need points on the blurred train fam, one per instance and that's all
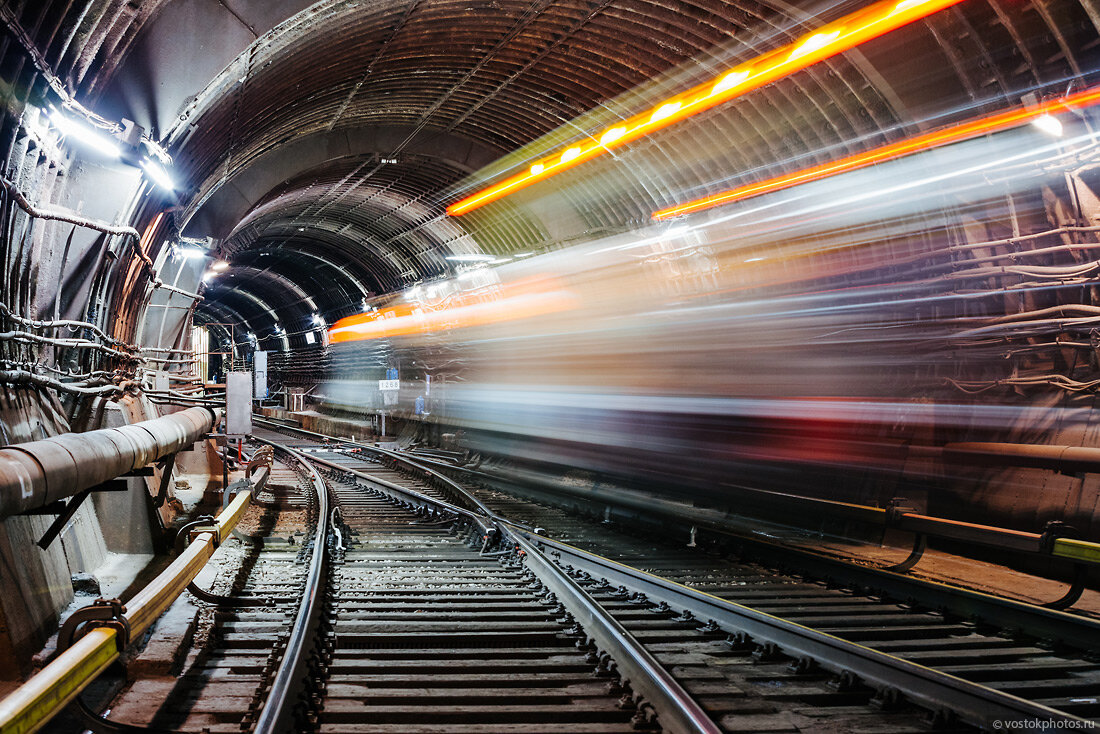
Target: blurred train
(809, 336)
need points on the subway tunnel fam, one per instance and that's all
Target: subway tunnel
(554, 366)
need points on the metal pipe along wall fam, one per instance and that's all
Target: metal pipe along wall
(36, 473)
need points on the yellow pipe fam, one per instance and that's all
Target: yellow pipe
(33, 704)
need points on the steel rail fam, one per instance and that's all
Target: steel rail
(1018, 541)
(1046, 545)
(933, 689)
(630, 510)
(278, 710)
(971, 702)
(676, 710)
(36, 702)
(435, 478)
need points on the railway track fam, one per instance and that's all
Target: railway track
(238, 636)
(429, 617)
(437, 607)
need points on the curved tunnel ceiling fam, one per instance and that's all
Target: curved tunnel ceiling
(286, 153)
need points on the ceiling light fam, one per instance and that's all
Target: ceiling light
(190, 253)
(158, 174)
(729, 81)
(612, 135)
(537, 169)
(86, 134)
(219, 266)
(815, 42)
(470, 258)
(1049, 124)
(570, 154)
(665, 110)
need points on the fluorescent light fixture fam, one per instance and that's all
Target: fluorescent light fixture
(159, 176)
(191, 253)
(666, 110)
(726, 83)
(754, 259)
(219, 266)
(471, 258)
(86, 134)
(1049, 124)
(500, 261)
(157, 151)
(524, 254)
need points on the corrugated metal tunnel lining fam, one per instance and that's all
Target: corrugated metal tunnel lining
(833, 364)
(446, 88)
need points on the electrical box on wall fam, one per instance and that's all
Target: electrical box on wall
(259, 369)
(238, 404)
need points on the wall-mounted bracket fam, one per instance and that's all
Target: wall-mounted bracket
(69, 509)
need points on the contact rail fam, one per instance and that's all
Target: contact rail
(100, 633)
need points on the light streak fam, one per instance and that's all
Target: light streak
(927, 141)
(829, 40)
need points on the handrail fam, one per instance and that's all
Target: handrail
(32, 705)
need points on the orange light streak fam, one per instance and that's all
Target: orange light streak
(935, 139)
(827, 41)
(522, 300)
